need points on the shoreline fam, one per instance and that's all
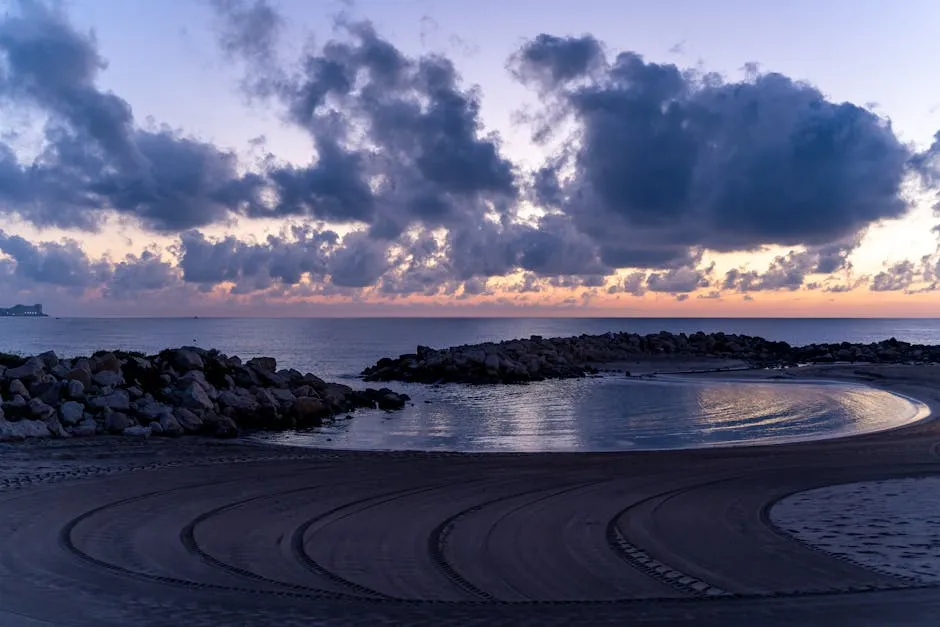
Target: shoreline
(678, 533)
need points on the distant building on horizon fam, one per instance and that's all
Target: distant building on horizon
(29, 311)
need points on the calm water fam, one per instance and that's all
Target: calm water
(608, 413)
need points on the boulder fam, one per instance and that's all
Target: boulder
(238, 399)
(86, 428)
(22, 429)
(118, 400)
(195, 397)
(136, 431)
(71, 413)
(31, 370)
(186, 359)
(309, 411)
(263, 364)
(220, 426)
(49, 359)
(82, 375)
(117, 422)
(105, 361)
(188, 420)
(74, 389)
(18, 387)
(46, 389)
(170, 426)
(108, 378)
(149, 410)
(283, 396)
(39, 410)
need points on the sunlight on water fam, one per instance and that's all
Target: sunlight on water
(612, 413)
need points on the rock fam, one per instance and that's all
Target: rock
(18, 387)
(150, 410)
(31, 370)
(86, 428)
(189, 421)
(137, 431)
(491, 363)
(16, 407)
(105, 361)
(309, 411)
(108, 378)
(220, 426)
(195, 397)
(118, 400)
(47, 389)
(263, 364)
(134, 392)
(71, 413)
(390, 401)
(49, 359)
(239, 399)
(22, 429)
(82, 375)
(284, 397)
(187, 359)
(74, 389)
(117, 422)
(39, 410)
(170, 426)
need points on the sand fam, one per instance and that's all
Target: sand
(169, 532)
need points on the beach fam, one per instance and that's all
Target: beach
(106, 531)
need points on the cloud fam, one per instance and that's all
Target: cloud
(549, 61)
(896, 277)
(664, 160)
(252, 266)
(94, 159)
(61, 264)
(678, 280)
(146, 273)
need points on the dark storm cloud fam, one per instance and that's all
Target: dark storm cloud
(62, 264)
(360, 262)
(249, 29)
(678, 280)
(255, 266)
(664, 160)
(398, 139)
(550, 61)
(146, 273)
(94, 158)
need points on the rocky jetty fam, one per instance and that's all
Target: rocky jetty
(537, 358)
(180, 391)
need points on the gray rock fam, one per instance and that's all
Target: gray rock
(135, 392)
(71, 413)
(263, 364)
(155, 428)
(80, 374)
(220, 426)
(151, 411)
(195, 397)
(108, 378)
(60, 371)
(188, 420)
(39, 410)
(186, 359)
(239, 399)
(18, 387)
(118, 399)
(31, 370)
(75, 389)
(22, 429)
(170, 425)
(309, 411)
(117, 422)
(283, 396)
(491, 363)
(137, 432)
(105, 361)
(86, 428)
(49, 359)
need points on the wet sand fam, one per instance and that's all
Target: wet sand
(169, 532)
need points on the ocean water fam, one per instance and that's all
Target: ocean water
(607, 413)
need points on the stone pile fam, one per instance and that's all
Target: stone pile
(180, 391)
(537, 358)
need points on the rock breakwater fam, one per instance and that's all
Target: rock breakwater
(179, 391)
(538, 358)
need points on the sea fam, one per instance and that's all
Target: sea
(593, 414)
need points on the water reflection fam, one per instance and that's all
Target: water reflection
(613, 413)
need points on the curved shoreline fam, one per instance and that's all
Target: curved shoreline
(548, 538)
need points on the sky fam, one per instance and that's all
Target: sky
(430, 157)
